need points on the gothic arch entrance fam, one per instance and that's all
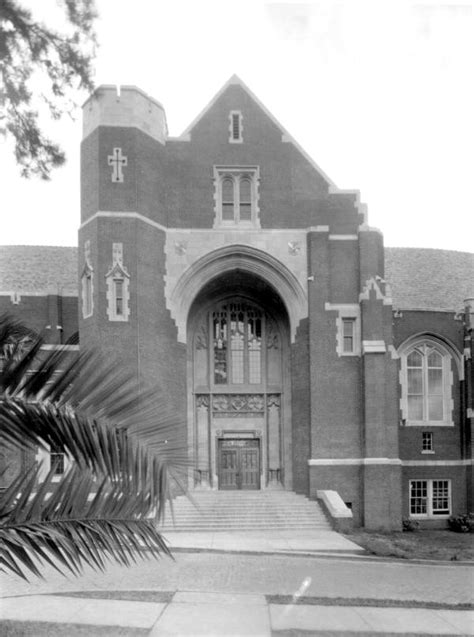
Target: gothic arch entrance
(239, 406)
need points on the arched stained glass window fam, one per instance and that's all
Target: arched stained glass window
(237, 344)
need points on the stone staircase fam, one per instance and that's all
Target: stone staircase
(244, 511)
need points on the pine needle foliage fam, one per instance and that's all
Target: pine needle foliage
(41, 66)
(107, 506)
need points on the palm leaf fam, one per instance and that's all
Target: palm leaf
(100, 510)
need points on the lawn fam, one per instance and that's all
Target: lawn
(423, 545)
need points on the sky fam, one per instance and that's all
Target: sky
(378, 92)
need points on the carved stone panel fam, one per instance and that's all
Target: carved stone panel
(235, 405)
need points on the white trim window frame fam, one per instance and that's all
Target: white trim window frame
(429, 498)
(235, 127)
(236, 195)
(426, 381)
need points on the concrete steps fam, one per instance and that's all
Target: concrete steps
(244, 511)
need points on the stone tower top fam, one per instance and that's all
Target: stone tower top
(126, 106)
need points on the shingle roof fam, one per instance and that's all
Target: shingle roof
(428, 279)
(33, 270)
(421, 278)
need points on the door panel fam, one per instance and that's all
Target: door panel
(239, 464)
(249, 469)
(228, 469)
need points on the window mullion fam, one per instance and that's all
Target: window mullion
(236, 199)
(425, 388)
(230, 378)
(246, 350)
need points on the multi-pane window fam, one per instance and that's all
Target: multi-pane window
(236, 196)
(237, 344)
(348, 325)
(426, 385)
(427, 441)
(57, 460)
(430, 498)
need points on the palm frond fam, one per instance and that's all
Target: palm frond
(77, 521)
(102, 508)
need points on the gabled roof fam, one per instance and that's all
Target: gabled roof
(429, 279)
(421, 278)
(38, 270)
(286, 137)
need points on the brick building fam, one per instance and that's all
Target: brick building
(226, 268)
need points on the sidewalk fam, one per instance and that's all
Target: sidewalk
(223, 614)
(246, 584)
(307, 542)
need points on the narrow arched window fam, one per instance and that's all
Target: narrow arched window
(245, 200)
(228, 199)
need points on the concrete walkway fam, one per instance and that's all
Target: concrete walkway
(268, 541)
(222, 614)
(246, 584)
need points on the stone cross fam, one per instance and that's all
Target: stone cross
(117, 160)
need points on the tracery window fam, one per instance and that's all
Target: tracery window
(426, 381)
(237, 344)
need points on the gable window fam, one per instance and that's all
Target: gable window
(430, 498)
(235, 127)
(236, 196)
(426, 383)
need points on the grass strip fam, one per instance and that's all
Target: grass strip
(362, 601)
(11, 628)
(159, 597)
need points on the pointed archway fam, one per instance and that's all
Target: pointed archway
(239, 407)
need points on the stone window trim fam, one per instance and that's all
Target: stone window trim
(235, 127)
(429, 498)
(87, 284)
(425, 345)
(348, 316)
(118, 287)
(237, 175)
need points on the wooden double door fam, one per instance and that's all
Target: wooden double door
(239, 464)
